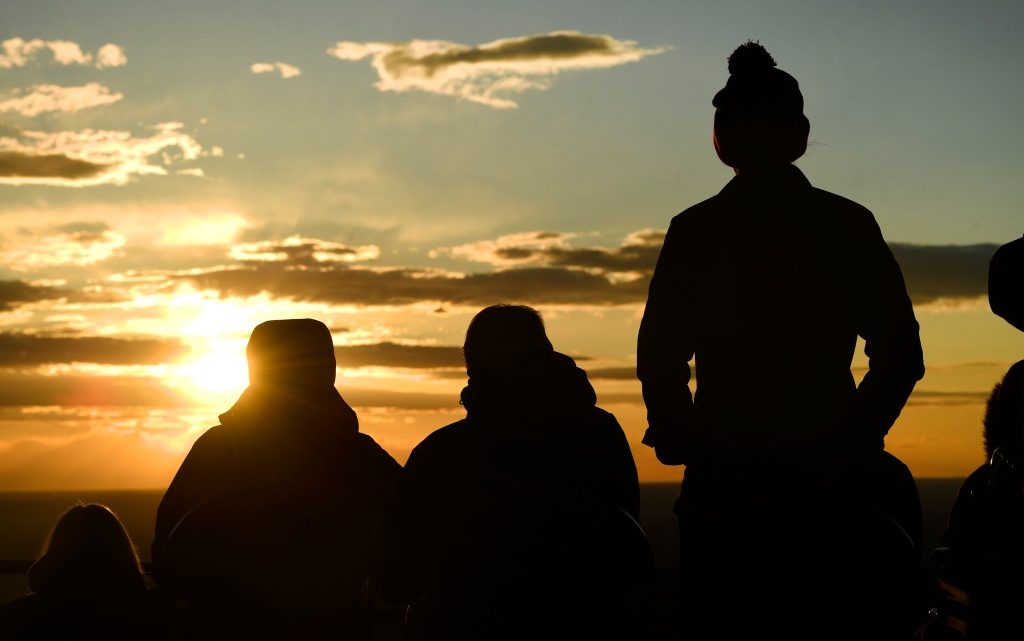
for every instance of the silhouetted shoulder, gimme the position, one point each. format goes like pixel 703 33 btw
pixel 850 212
pixel 439 442
pixel 698 212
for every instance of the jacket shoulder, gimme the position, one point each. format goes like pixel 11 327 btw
pixel 837 205
pixel 438 443
pixel 697 212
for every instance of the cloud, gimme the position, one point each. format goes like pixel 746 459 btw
pixel 70 245
pixel 43 98
pixel 286 70
pixel 19 350
pixel 389 354
pixel 110 55
pixel 27 168
pixel 354 285
pixel 637 255
pixel 298 250
pixel 18 52
pixel 92 157
pixel 944 272
pixel 489 73
pixel 613 373
pixel 14 293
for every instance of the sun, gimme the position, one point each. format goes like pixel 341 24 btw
pixel 220 372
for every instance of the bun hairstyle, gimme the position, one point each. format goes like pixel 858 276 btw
pixel 759 119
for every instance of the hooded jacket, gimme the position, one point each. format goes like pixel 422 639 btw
pixel 532 464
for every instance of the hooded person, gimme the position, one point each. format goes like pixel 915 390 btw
pixel 523 519
pixel 269 520
pixel 768 285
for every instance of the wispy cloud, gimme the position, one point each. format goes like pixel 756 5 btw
pixel 72 245
pixel 297 250
pixel 92 157
pixel 18 52
pixel 492 72
pixel 43 98
pixel 283 68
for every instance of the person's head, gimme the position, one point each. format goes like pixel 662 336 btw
pixel 759 119
pixel 297 352
pixel 500 335
pixel 1004 412
pixel 86 538
pixel 1006 283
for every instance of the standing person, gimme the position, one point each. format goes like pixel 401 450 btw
pixel 522 522
pixel 267 525
pixel 768 285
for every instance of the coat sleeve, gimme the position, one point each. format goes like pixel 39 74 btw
pixel 892 343
pixel 191 485
pixel 624 487
pixel 665 347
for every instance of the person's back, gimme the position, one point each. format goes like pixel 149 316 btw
pixel 768 285
pixel 268 523
pixel 523 506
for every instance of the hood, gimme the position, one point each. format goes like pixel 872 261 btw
pixel 548 385
pixel 271 406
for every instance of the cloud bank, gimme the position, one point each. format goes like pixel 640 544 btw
pixel 18 52
pixel 400 355
pixel 70 246
pixel 19 350
pixel 285 70
pixel 490 73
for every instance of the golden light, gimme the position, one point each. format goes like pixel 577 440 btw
pixel 220 374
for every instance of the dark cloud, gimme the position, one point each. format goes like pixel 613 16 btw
pixel 552 46
pixel 613 373
pixel 397 355
pixel 404 286
pixel 15 164
pixel 29 349
pixel 18 389
pixel 936 272
pixel 17 292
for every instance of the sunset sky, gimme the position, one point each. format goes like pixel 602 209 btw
pixel 172 174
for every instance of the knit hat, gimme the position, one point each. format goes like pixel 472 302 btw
pixel 757 88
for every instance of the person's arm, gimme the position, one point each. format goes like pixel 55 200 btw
pixel 623 483
pixel 887 324
pixel 665 347
pixel 190 486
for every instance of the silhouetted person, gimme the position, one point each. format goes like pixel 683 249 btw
pixel 768 285
pixel 982 581
pixel 267 525
pixel 523 512
pixel 1006 283
pixel 86 585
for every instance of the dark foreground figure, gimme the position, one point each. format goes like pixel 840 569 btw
pixel 87 585
pixel 267 527
pixel 982 553
pixel 522 522
pixel 793 521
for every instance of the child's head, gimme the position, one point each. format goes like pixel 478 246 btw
pixel 1004 413
pixel 88 545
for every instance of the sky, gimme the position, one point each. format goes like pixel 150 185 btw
pixel 172 174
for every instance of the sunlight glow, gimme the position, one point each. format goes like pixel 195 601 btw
pixel 219 374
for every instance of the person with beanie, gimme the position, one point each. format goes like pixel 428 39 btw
pixel 768 285
pixel 267 527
